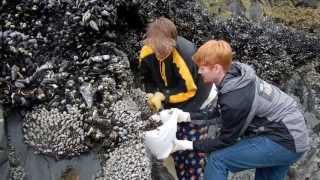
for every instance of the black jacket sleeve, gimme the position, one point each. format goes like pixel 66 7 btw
pixel 206 117
pixel 205 114
pixel 186 71
pixel 146 74
pixel 235 107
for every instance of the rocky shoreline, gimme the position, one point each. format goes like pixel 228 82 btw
pixel 70 68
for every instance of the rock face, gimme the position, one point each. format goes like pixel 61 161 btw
pixel 72 66
pixel 62 61
pixel 4 162
pixel 304 84
pixel 299 14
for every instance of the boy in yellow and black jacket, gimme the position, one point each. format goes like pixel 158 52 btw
pixel 176 76
pixel 176 81
pixel 171 79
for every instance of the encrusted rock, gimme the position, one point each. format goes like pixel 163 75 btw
pixel 59 134
pixel 81 58
pixel 128 161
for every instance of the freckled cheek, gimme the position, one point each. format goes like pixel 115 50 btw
pixel 208 76
pixel 204 75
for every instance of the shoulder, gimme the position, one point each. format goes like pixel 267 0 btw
pixel 145 51
pixel 240 98
pixel 185 45
pixel 183 40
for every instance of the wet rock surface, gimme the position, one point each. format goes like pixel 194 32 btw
pixel 25 164
pixel 71 66
pixel 4 160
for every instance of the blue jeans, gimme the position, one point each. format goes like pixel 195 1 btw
pixel 270 159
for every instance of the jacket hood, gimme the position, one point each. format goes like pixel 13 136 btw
pixel 238 77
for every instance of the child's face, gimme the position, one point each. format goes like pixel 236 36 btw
pixel 207 73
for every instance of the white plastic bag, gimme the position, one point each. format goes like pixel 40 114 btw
pixel 160 141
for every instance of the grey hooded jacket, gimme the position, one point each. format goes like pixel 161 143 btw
pixel 249 107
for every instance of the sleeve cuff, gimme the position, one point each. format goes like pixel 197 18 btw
pixel 167 96
pixel 190 145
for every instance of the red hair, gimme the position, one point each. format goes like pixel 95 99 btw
pixel 214 52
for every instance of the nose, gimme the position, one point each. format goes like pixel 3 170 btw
pixel 200 72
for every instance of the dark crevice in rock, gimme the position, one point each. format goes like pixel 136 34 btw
pixel 317 68
pixel 130 16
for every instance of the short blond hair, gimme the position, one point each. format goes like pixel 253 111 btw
pixel 161 37
pixel 214 52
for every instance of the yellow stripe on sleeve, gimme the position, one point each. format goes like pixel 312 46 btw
pixel 163 72
pixel 186 75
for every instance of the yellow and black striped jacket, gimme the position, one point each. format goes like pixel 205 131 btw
pixel 176 76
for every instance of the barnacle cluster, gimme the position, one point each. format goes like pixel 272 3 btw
pixel 128 161
pixel 56 133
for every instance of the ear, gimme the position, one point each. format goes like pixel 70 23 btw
pixel 219 67
pixel 216 67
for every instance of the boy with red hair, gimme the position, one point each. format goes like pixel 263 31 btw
pixel 261 126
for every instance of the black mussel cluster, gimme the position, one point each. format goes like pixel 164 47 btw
pixel 273 49
pixel 62 60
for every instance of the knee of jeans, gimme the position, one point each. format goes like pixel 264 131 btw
pixel 216 162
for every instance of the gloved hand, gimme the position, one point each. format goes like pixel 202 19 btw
pixel 181 145
pixel 182 116
pixel 155 101
pixel 163 115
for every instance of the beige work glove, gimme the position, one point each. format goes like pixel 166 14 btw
pixel 155 101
